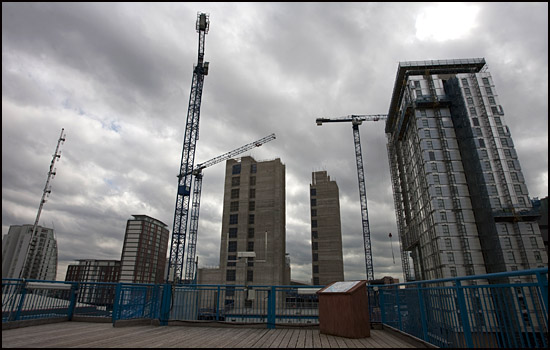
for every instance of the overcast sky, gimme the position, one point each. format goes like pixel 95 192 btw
pixel 117 78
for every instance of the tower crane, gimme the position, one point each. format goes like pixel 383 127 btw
pixel 190 268
pixel 175 263
pixel 357 120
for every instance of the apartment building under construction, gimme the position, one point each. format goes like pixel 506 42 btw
pixel 461 201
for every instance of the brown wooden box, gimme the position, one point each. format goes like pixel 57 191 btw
pixel 344 309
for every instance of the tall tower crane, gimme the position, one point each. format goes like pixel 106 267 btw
pixel 25 270
pixel 190 267
pixel 357 120
pixel 175 264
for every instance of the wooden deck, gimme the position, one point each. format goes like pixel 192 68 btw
pixel 104 335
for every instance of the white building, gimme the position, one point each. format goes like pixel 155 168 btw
pixel 461 201
pixel 42 256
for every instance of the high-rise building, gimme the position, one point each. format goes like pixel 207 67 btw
pixel 143 257
pixel 93 270
pixel 461 202
pixel 41 260
pixel 326 230
pixel 253 237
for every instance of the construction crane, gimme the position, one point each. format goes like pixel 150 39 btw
pixel 357 120
pixel 175 263
pixel 26 269
pixel 190 267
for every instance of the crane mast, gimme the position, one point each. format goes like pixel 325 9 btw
pixel 190 267
pixel 175 264
pixel 357 120
pixel 25 270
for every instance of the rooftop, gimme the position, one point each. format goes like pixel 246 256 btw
pixel 103 335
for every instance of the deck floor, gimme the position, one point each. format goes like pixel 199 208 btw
pixel 104 335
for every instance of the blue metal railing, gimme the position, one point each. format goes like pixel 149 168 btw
pixel 507 309
pixel 495 310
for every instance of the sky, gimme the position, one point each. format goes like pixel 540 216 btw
pixel 117 77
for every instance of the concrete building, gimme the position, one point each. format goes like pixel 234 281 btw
pixel 143 257
pixel 41 261
pixel 326 230
pixel 92 270
pixel 461 201
pixel 253 237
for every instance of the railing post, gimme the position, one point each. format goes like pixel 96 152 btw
pixel 271 307
pixel 398 302
pixel 464 315
pixel 422 309
pixel 21 301
pixel 73 300
pixel 117 304
pixel 165 303
pixel 543 287
pixel 218 304
pixel 381 304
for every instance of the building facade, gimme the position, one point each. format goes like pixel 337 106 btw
pixel 461 201
pixel 41 260
pixel 326 230
pixel 92 270
pixel 253 237
pixel 143 257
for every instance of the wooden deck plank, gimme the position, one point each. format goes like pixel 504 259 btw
pixel 98 335
pixel 281 333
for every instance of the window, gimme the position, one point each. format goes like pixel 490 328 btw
pixel 427 133
pixel 314 234
pixel 514 176
pixel 481 143
pixel 232 246
pixel 250 247
pixel 453 271
pixel 511 257
pixel 492 100
pixel 485 81
pixel 252 193
pixel 517 189
pixel 429 144
pixel 448 244
pixel 438 191
pixel 313 223
pixel 235 193
pixel 250 275
pixel 465 82
pixel 533 242
pixel 251 219
pixel 236 169
pixel 251 206
pixel 450 257
pixel 494 110
pixel 234 206
pixel 313 202
pixel 313 191
pixel 470 100
pixel 230 275
pixel 431 155
pixel 441 203
pixel 313 212
pixel 253 168
pixel 235 181
pixel 233 232
pixel 253 181
pixel 467 91
pixel 446 230
pixel 488 90
pixel 475 121
pixel 233 219
pixel 436 179
pixel 315 268
pixel 315 257
pixel 251 232
pixel 314 246
pixel 473 111
pixel 443 216
pixel 538 258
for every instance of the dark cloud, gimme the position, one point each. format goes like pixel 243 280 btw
pixel 117 77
